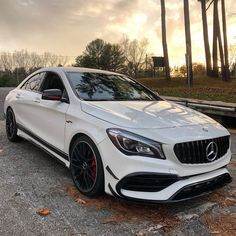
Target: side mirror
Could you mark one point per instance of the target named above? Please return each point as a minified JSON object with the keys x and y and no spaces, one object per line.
{"x":52,"y":94}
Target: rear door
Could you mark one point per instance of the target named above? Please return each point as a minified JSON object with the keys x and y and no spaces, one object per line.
{"x":27,"y":100}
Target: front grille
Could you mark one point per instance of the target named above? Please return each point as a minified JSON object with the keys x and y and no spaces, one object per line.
{"x":195,"y":152}
{"x":147,"y":182}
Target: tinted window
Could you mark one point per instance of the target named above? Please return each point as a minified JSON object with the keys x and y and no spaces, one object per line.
{"x":52,"y":81}
{"x":34,"y":82}
{"x":109,"y":87}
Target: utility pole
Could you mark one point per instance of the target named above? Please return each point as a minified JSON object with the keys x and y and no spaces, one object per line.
{"x":188,"y":43}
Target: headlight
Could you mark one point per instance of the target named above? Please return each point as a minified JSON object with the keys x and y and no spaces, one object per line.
{"x":133,"y":144}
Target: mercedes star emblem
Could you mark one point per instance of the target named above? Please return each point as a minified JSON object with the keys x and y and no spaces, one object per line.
{"x":211,"y":151}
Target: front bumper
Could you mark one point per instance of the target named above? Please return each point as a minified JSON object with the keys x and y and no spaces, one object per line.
{"x":172,"y":188}
{"x":154,"y":180}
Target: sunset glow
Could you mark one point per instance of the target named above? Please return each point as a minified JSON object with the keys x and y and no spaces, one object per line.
{"x":66,"y":27}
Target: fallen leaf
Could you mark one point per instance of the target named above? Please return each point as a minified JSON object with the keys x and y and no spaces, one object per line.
{"x":156,"y":227}
{"x":80,"y":201}
{"x":16,"y":194}
{"x":142,"y":233}
{"x":43,"y":211}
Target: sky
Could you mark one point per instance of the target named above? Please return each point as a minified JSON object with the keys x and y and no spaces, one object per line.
{"x":65,"y":27}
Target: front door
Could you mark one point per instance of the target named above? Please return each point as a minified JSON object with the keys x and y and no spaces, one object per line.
{"x":51,"y":115}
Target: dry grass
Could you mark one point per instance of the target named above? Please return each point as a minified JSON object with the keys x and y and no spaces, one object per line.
{"x":204,"y":88}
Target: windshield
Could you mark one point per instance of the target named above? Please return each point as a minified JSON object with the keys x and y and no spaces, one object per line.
{"x":108,"y":87}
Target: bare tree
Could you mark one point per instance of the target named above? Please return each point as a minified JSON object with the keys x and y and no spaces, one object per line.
{"x":29,"y":61}
{"x":219,"y":39}
{"x":217,"y":42}
{"x":62,"y":60}
{"x":232,"y":53}
{"x":135,"y":54}
{"x":6,"y":61}
{"x":50,"y":59}
{"x":22,"y":59}
{"x":164,"y":41}
{"x":53,"y":60}
{"x":206,"y":37}
{"x":36,"y":60}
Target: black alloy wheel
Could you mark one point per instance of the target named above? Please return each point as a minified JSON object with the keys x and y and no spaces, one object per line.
{"x":11,"y":127}
{"x":86,"y":167}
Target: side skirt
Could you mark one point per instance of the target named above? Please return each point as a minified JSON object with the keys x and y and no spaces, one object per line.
{"x":45,"y":146}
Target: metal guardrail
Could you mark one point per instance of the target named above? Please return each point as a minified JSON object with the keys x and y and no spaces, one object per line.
{"x":208,"y":107}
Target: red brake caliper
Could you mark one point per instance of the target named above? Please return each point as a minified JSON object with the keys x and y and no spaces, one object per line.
{"x":94,"y":171}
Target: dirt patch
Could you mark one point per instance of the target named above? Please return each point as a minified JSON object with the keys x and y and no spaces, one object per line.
{"x":123,"y":211}
{"x":232,"y":164}
{"x":223,"y":224}
{"x":225,"y":197}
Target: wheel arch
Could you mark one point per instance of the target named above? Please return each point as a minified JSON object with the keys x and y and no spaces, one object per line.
{"x":73,"y":139}
{"x":6,"y":110}
{"x":9,"y":107}
{"x":86,"y":133}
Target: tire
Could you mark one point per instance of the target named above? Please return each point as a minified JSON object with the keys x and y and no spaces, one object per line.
{"x":86,"y":167}
{"x":11,"y":126}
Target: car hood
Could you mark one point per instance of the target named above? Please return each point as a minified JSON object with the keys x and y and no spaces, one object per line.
{"x":145,"y":114}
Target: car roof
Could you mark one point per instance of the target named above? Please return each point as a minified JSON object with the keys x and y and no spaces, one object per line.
{"x":78,"y":69}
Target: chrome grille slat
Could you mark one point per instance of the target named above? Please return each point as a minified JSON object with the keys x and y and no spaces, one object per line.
{"x":219,"y":143}
{"x":195,"y":152}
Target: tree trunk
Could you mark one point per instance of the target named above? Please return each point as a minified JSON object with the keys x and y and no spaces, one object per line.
{"x":214,"y":46}
{"x":206,"y":38}
{"x":188,"y":43}
{"x":164,"y":41}
{"x":226,"y":68}
{"x":219,"y":39}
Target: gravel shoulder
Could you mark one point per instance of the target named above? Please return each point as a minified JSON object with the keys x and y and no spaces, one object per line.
{"x":3,"y":93}
{"x":32,"y":180}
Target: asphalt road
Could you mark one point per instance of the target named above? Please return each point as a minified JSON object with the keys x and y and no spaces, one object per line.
{"x":3,"y":93}
{"x":31,"y":180}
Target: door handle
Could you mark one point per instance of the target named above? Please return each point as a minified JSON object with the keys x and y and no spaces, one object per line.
{"x":18,"y":95}
{"x":37,"y":100}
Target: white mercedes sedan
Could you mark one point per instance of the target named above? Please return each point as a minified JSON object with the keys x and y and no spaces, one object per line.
{"x":117,"y":136}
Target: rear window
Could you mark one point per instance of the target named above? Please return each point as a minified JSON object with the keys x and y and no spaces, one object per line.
{"x":33,"y":83}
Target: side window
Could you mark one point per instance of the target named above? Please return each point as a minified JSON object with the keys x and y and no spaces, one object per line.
{"x":52,"y":81}
{"x":34,"y":82}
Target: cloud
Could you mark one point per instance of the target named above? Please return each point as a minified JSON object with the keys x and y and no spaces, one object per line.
{"x":65,"y":27}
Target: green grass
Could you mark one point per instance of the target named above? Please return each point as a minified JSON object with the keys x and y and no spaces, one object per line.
{"x":204,"y":88}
